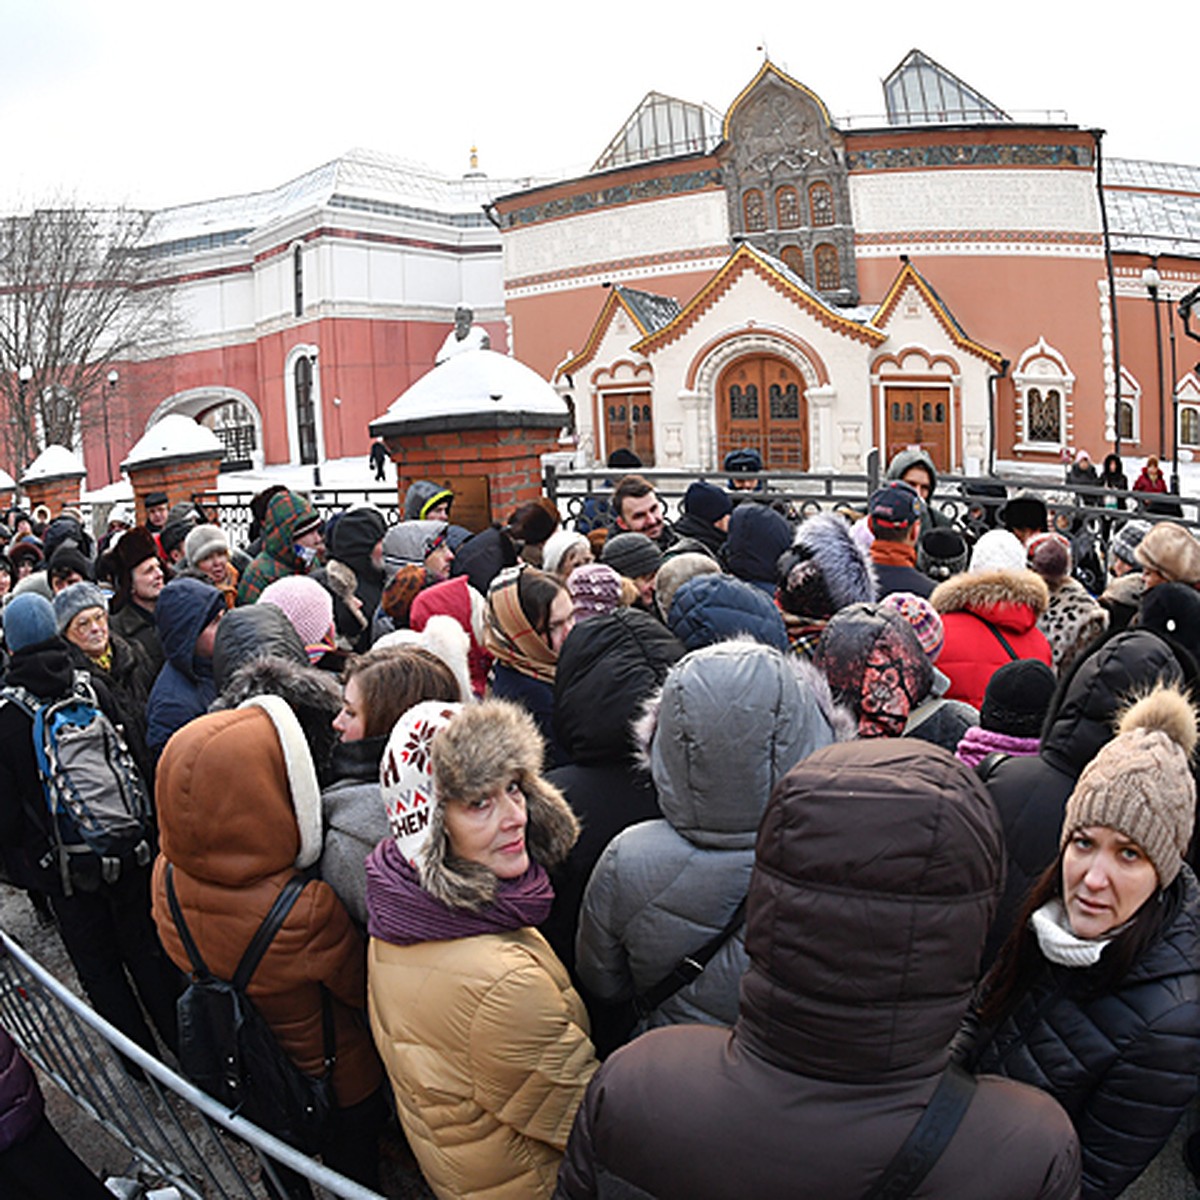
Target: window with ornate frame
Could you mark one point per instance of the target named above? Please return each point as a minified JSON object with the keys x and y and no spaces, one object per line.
{"x":829,"y":275}
{"x":1043,"y":383}
{"x":820,"y":204}
{"x":787,"y":207}
{"x":754,"y":211}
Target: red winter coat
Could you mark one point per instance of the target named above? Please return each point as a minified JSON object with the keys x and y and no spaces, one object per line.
{"x":1010,"y":600}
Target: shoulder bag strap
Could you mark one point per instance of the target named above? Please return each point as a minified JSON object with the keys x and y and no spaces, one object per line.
{"x":185,"y":934}
{"x":689,"y":968}
{"x":266,"y":932}
{"x":929,"y":1137}
{"x":999,"y":636}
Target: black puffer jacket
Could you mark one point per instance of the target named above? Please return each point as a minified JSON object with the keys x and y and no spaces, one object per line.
{"x":608,"y":667}
{"x":1123,"y":1063}
{"x":874,"y":880}
{"x":1031,"y":793}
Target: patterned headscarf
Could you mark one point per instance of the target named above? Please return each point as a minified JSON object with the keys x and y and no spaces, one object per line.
{"x":508,"y":637}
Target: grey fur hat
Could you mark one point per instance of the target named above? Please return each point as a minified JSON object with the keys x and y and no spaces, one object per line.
{"x":484,"y":746}
{"x":824,"y":570}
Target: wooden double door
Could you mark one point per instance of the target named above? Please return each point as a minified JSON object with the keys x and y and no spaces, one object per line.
{"x":761,"y":404}
{"x":629,"y":424}
{"x":918,"y":417}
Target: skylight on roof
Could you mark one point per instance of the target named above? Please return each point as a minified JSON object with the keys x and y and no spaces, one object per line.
{"x":922,"y":92}
{"x":662,"y":127}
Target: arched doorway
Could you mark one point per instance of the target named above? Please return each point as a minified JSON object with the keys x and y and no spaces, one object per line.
{"x":230,"y":414}
{"x":761,"y":403}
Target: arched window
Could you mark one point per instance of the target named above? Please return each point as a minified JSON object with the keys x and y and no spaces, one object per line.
{"x":743,"y":404}
{"x":306,"y":413}
{"x":298,"y":284}
{"x":820,"y":204}
{"x":829,"y":276}
{"x":785,"y":402}
{"x":754,"y":211}
{"x":793,"y":259}
{"x":787,"y":208}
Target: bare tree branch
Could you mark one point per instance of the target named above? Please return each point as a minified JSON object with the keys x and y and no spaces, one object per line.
{"x":76,"y":297}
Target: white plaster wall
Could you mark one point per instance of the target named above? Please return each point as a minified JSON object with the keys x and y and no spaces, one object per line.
{"x":1035,"y":200}
{"x":674,"y":223}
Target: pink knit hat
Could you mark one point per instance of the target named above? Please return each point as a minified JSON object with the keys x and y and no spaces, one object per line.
{"x":309,"y":607}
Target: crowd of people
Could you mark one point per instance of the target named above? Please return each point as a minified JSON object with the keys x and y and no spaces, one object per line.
{"x":646,"y":858}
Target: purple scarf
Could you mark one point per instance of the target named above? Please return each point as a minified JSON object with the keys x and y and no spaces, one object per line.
{"x":401,"y":911}
{"x":977,"y":743}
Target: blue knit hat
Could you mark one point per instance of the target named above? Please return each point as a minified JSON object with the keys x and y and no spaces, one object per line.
{"x":28,"y":620}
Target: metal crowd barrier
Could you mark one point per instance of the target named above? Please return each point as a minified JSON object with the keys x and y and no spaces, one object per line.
{"x":177,"y":1133}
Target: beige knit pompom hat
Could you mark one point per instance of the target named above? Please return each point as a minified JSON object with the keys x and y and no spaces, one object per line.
{"x":1141,"y":784}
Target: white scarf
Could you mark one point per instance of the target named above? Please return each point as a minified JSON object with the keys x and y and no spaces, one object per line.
{"x":1057,"y":941}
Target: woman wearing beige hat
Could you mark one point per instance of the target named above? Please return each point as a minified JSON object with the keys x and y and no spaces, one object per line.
{"x":1096,"y":995}
{"x":1169,"y":554}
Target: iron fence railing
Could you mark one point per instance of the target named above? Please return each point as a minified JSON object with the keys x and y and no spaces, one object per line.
{"x":177,"y":1133}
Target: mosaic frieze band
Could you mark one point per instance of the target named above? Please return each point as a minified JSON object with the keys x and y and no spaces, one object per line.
{"x":611,"y":197}
{"x":968,"y":155}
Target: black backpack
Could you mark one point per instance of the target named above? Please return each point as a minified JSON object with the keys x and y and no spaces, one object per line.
{"x":228,"y":1050}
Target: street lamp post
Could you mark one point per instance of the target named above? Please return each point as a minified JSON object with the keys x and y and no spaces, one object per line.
{"x":24,"y":377}
{"x":111,"y":380}
{"x":1151,"y":281}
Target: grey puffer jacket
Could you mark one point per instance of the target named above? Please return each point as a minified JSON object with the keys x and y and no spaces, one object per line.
{"x":354,"y":820}
{"x":732,"y":719}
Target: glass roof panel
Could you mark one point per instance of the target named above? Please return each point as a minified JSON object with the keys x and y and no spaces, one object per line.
{"x":662,"y":127}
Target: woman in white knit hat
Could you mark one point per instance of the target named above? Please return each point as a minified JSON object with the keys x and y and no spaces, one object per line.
{"x":1096,"y":995}
{"x":484,"y":1039}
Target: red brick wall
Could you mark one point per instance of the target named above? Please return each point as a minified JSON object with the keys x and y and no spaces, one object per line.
{"x":181,"y":480}
{"x":509,"y":458}
{"x":55,"y":494}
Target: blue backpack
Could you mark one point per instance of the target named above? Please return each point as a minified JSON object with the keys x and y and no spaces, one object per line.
{"x":97,"y":800}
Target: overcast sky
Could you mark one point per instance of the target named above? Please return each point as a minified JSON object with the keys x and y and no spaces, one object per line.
{"x":155,"y":103}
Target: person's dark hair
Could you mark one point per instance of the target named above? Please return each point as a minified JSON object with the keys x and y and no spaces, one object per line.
{"x":1020,"y":956}
{"x":536,"y":592}
{"x":635,"y":486}
{"x":392,"y":679}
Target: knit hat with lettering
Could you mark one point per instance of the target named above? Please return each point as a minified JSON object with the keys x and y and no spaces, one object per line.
{"x":1141,"y":784}
{"x":595,"y":588}
{"x":406,"y":774}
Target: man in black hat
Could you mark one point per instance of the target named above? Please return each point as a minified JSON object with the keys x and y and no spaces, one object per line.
{"x":158,"y":508}
{"x":137,"y":573}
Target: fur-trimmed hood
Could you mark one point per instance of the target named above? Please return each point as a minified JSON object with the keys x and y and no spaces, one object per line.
{"x":729,"y":722}
{"x":238,"y":797}
{"x":486,"y":745}
{"x":823,"y":544}
{"x":998,"y":595}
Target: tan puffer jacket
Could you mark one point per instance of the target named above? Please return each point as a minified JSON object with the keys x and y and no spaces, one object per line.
{"x":225,"y":793}
{"x":487,"y":1047}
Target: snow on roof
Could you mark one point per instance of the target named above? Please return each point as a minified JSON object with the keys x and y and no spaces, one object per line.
{"x":1153,"y":208}
{"x":53,"y":463}
{"x":474,"y":383}
{"x":360,"y":179}
{"x":175,"y":436}
{"x":7,"y":482}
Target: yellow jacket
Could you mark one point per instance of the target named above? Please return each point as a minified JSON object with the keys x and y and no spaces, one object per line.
{"x":487,"y":1046}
